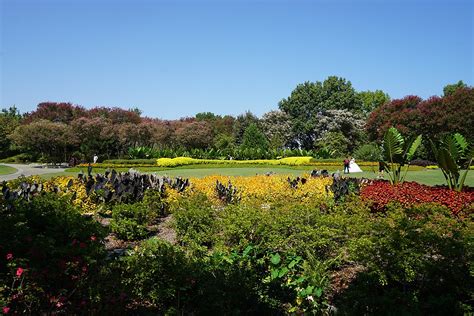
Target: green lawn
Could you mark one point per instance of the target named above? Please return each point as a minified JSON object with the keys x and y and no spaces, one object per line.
{"x":6,"y":170}
{"x":430,"y":177}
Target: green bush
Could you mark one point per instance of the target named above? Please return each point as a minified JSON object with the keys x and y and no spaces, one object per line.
{"x":405,"y":261}
{"x":195,"y":223}
{"x":130,"y":221}
{"x":416,"y":261}
{"x":249,"y":281}
{"x":20,"y":158}
{"x":368,"y":152}
{"x":57,"y":252}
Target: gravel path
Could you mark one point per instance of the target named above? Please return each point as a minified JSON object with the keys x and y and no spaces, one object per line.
{"x":27,"y":170}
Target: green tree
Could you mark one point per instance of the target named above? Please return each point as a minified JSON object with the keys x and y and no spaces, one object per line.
{"x":224,"y":142}
{"x":9,"y":120}
{"x":451,"y":88}
{"x":240,"y":125}
{"x":254,"y":138}
{"x":335,"y":142}
{"x":373,"y":99}
{"x":308,"y":100}
{"x":206,"y":116}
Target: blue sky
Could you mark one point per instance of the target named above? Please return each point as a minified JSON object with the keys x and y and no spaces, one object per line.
{"x":177,"y":58}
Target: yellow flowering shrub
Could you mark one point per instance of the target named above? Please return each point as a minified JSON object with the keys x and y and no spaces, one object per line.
{"x":265,"y":189}
{"x":178,"y":161}
{"x":78,"y":189}
{"x":183,"y":161}
{"x":297,"y":161}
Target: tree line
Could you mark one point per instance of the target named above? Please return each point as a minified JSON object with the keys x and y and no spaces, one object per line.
{"x":329,"y":115}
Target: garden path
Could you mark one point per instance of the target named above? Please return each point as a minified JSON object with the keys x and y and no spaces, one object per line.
{"x":27,"y":170}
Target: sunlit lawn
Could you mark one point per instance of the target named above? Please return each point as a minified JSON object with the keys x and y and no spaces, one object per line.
{"x":430,"y":177}
{"x":6,"y":170}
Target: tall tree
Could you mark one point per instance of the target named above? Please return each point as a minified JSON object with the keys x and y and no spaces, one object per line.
{"x":195,"y":135}
{"x":56,"y":112}
{"x":373,"y":99}
{"x":254,"y":138}
{"x":399,"y":113}
{"x":309,"y":99}
{"x":343,"y":125}
{"x":54,"y":141}
{"x":276,"y":125}
{"x":451,"y":88}
{"x":9,"y":120}
{"x":437,"y":117}
{"x":240,"y":125}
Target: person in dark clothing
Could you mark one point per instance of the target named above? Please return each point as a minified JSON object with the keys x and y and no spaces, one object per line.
{"x":346,"y":165}
{"x":381,"y":169}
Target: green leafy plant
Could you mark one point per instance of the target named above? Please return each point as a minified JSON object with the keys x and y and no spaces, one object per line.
{"x":453,"y":154}
{"x":398,"y":153}
{"x":129,"y":221}
{"x":227,"y":193}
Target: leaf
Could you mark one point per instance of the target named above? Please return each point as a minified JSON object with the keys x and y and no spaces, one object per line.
{"x":275,"y":259}
{"x":275,"y":273}
{"x":448,"y":162}
{"x":393,"y":143}
{"x":246,"y":251}
{"x":300,"y":279}
{"x":292,"y":264}
{"x":309,"y":289}
{"x":414,"y":146}
{"x":461,"y":141}
{"x":318,"y":292}
{"x":283,"y":271}
{"x":451,"y":145}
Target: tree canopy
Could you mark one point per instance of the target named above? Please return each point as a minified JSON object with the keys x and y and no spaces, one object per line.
{"x":308,"y":100}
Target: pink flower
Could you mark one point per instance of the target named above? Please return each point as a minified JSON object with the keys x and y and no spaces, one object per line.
{"x":9,"y":256}
{"x":6,"y":309}
{"x":19,"y":272}
{"x":93,"y":238}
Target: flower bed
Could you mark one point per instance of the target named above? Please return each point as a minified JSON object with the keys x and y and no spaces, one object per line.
{"x":260,"y":245}
{"x":380,"y":193}
{"x":266,"y":189}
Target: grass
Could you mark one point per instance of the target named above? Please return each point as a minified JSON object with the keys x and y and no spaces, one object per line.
{"x":424,"y":176}
{"x":6,"y":170}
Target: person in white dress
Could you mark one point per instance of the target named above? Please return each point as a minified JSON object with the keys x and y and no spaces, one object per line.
{"x":353,"y":167}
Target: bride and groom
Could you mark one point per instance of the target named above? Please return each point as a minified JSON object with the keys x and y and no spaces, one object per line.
{"x":350,"y":166}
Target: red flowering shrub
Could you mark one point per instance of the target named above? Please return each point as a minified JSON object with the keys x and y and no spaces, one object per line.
{"x":380,"y":193}
{"x":50,"y":256}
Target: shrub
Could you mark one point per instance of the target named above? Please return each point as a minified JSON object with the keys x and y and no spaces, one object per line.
{"x":248,"y":281}
{"x":422,"y":163}
{"x":130,"y":221}
{"x":50,"y":255}
{"x":415,"y":260}
{"x":368,"y":152}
